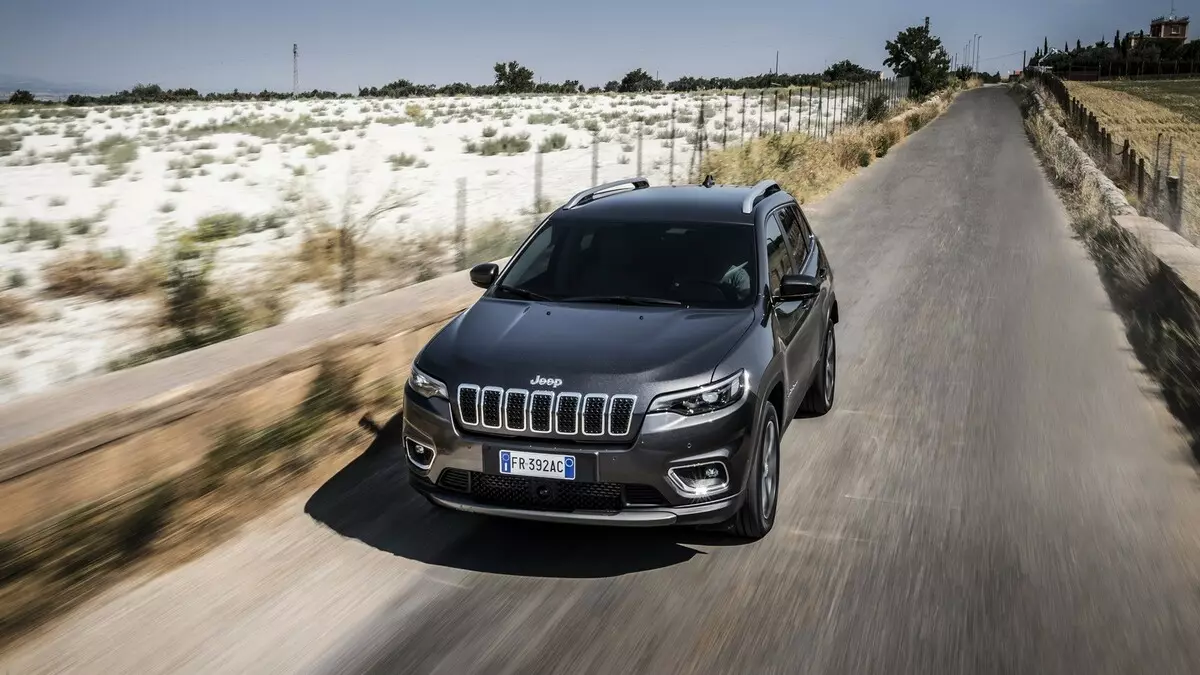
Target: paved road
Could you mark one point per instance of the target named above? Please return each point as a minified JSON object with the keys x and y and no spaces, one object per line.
{"x":998,"y":491}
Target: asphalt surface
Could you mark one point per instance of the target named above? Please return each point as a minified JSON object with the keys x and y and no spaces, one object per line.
{"x":998,"y":490}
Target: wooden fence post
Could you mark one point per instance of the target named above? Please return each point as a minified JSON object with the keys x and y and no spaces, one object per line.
{"x":1141,"y":178}
{"x":1125,"y":161}
{"x":1174,"y":199}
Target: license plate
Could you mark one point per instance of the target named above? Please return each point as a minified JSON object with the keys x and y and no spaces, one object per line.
{"x":515,"y":463}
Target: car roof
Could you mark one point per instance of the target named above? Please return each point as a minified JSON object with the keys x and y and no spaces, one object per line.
{"x":686,"y":203}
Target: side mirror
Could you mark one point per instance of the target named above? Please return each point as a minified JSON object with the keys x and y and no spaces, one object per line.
{"x":799,"y":287}
{"x":483,"y":274}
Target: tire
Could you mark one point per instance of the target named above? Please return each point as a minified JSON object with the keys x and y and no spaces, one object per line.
{"x":757,"y":515}
{"x":819,"y":398}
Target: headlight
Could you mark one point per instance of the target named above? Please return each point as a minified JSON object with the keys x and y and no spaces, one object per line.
{"x":427,"y":386}
{"x":704,"y":399}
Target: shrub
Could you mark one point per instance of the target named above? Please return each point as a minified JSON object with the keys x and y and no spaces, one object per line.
{"x":555,"y":141}
{"x":876,"y":109}
{"x":221,"y":226}
{"x":101,"y":274}
{"x":541,"y":118}
{"x":489,"y":132}
{"x":116,"y":152}
{"x":505,"y":145}
{"x":401,"y":160}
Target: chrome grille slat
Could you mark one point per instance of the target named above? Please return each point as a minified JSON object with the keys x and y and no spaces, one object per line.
{"x":521,"y":411}
{"x":620,"y":414}
{"x":592,"y":415}
{"x":566,"y":414}
{"x":489,"y":407}
{"x":541,"y":412}
{"x":468,"y":403}
{"x":516,"y":407}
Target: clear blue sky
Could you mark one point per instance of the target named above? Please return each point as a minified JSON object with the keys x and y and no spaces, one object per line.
{"x":344,"y":44}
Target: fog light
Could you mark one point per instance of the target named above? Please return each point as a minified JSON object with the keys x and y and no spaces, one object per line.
{"x":699,"y":480}
{"x":420,"y":455}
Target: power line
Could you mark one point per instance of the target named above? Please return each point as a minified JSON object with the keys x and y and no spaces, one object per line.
{"x":1002,"y":56}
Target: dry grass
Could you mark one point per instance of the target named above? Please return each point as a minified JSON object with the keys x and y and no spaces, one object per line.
{"x":1161,"y":315}
{"x":1140,"y":121}
{"x":13,"y":308}
{"x":810,"y":168}
{"x":248,"y":470}
{"x":104,"y":275}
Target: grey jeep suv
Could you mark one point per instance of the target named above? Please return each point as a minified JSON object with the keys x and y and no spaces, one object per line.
{"x":634,"y":363}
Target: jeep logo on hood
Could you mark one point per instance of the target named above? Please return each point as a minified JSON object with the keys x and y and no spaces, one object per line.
{"x":539,"y":381}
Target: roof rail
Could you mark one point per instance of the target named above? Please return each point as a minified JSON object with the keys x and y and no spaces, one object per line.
{"x":761,"y":190}
{"x":591,"y":193}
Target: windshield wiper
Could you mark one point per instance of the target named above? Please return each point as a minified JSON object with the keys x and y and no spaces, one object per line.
{"x":527,"y":294}
{"x":625,"y":300}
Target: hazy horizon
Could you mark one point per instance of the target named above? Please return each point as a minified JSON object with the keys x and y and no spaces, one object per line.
{"x":223,"y":45}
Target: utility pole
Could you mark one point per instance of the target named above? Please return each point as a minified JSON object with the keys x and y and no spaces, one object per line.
{"x":776,"y":61}
{"x":295,"y":70}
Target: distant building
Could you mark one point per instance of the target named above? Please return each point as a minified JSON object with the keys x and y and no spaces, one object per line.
{"x":1170,"y":27}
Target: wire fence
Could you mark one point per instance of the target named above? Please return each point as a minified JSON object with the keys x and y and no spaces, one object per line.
{"x":670,"y":147}
{"x":1147,"y":178}
{"x":1092,"y":71}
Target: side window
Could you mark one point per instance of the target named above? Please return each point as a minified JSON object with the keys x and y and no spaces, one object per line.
{"x":804,"y":226}
{"x":790,"y":220}
{"x":779,"y":260}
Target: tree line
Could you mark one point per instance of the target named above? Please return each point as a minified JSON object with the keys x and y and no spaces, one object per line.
{"x":915,"y":53}
{"x":1128,"y":52}
{"x":510,"y":78}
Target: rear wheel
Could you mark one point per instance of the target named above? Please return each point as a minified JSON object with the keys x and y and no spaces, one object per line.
{"x":819,"y":399}
{"x":757,"y":515}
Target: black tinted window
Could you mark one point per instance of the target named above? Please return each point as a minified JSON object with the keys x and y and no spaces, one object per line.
{"x":789,"y":217}
{"x":699,"y":265}
{"x":779,"y":261}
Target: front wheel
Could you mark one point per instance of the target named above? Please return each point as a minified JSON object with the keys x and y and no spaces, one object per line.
{"x":819,"y":399}
{"x":757,"y":515}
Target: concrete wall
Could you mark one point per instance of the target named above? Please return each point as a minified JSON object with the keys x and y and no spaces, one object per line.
{"x":104,"y":437}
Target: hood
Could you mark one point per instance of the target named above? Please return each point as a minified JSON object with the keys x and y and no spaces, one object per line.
{"x":589,"y":347}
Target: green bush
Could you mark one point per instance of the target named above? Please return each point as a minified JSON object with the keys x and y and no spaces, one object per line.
{"x":401,"y":160}
{"x":489,"y":132}
{"x":221,"y":226}
{"x":505,"y":145}
{"x":555,"y":141}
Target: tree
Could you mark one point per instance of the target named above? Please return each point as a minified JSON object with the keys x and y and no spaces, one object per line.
{"x":612,"y":86}
{"x":847,"y":71}
{"x":1045,"y":46}
{"x":639,"y":80}
{"x":21,"y":97}
{"x":1078,"y":45}
{"x":918,"y":55}
{"x":513,"y":78}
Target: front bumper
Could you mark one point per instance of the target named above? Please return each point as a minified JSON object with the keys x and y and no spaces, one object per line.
{"x":701,"y":514}
{"x":614,"y":485}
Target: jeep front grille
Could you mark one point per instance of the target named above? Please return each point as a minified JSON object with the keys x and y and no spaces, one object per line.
{"x":545,"y":412}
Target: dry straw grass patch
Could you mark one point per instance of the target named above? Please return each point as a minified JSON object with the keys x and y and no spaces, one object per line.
{"x":1140,"y":121}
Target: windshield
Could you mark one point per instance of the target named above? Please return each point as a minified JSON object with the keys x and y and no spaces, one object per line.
{"x":697,"y":265}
